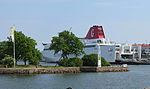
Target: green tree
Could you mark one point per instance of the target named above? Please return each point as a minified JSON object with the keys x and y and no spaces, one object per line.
{"x":36,"y":57}
{"x":68,"y":44}
{"x":3,"y":49}
{"x":24,"y":46}
{"x":8,"y":61}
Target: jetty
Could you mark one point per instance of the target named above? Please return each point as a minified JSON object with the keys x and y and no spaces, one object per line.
{"x":61,"y":70}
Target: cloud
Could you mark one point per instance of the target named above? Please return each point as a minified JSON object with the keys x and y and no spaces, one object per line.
{"x":103,"y":4}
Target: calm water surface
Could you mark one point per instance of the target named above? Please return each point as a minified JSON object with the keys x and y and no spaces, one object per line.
{"x":137,"y":78}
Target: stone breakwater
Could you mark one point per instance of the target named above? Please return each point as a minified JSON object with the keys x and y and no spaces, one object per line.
{"x":39,"y":70}
{"x":104,"y":69}
{"x":61,"y":70}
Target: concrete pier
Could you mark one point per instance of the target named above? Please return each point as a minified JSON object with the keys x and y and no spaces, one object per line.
{"x":104,"y":69}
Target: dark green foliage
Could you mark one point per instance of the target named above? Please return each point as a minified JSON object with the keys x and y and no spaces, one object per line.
{"x":68,"y":44}
{"x":63,"y":62}
{"x":5,"y":49}
{"x":24,"y":46}
{"x":104,"y":62}
{"x":92,"y":60}
{"x":75,"y":62}
{"x":8,"y":61}
{"x":36,"y":57}
{"x":72,"y":62}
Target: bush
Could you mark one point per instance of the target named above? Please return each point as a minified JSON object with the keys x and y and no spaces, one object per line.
{"x":72,"y":62}
{"x":63,"y":62}
{"x":92,"y":60}
{"x":104,"y":62}
{"x":9,"y":61}
{"x":75,"y":62}
{"x":34,"y":61}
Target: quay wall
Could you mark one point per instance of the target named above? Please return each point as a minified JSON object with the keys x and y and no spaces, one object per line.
{"x":61,"y":70}
{"x":104,"y":69}
{"x":39,"y":70}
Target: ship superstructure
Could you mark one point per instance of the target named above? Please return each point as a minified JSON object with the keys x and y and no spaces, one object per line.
{"x":94,"y":38}
{"x":111,"y":51}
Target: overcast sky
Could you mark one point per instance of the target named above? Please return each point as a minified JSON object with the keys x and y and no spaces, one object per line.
{"x":122,"y":20}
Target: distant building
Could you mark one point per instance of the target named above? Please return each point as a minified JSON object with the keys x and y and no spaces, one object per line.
{"x":144,"y":50}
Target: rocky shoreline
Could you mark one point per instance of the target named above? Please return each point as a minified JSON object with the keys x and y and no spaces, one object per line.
{"x":61,"y":70}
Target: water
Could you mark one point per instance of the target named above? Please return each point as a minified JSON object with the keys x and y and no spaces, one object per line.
{"x":137,"y":78}
{"x":41,"y":63}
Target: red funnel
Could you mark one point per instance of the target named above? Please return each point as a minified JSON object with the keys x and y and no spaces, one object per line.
{"x":95,"y":32}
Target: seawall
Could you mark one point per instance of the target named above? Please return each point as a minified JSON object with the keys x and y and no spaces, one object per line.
{"x":104,"y":69}
{"x":61,"y":70}
{"x":39,"y":70}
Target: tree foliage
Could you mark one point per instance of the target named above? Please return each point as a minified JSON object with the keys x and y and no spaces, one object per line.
{"x":67,"y":43}
{"x":72,"y":62}
{"x":24,"y":46}
{"x":4,"y":46}
{"x":7,"y":61}
{"x":92,"y":60}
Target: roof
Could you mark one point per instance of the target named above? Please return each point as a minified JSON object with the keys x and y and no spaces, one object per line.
{"x":142,"y":45}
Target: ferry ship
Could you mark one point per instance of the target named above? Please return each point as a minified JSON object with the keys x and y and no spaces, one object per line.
{"x":111,"y":51}
{"x":94,"y":38}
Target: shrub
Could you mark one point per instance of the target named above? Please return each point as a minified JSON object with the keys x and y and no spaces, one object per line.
{"x":9,"y":61}
{"x":34,"y":61}
{"x":72,"y":62}
{"x":75,"y":62}
{"x":104,"y":62}
{"x":92,"y":60}
{"x":63,"y":62}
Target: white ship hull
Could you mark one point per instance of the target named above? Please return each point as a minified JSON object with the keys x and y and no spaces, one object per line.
{"x":93,"y":39}
{"x":107,"y":51}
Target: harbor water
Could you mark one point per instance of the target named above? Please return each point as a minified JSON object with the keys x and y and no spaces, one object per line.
{"x":137,"y":78}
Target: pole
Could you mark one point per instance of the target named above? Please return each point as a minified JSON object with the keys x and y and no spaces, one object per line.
{"x":14,"y":53}
{"x":13,"y":40}
{"x":99,"y":56}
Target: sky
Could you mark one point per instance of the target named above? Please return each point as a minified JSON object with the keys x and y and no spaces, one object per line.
{"x":123,"y":21}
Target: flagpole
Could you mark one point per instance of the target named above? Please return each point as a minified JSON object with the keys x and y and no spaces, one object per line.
{"x":14,"y":53}
{"x":13,"y":40}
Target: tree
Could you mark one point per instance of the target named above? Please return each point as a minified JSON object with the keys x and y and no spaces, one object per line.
{"x":8,"y":61}
{"x":3,"y":49}
{"x":36,"y":57}
{"x":25,"y":48}
{"x":68,"y":44}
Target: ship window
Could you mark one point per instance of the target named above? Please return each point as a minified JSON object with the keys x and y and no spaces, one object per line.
{"x":117,"y":46}
{"x":46,"y":49}
{"x":89,"y":46}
